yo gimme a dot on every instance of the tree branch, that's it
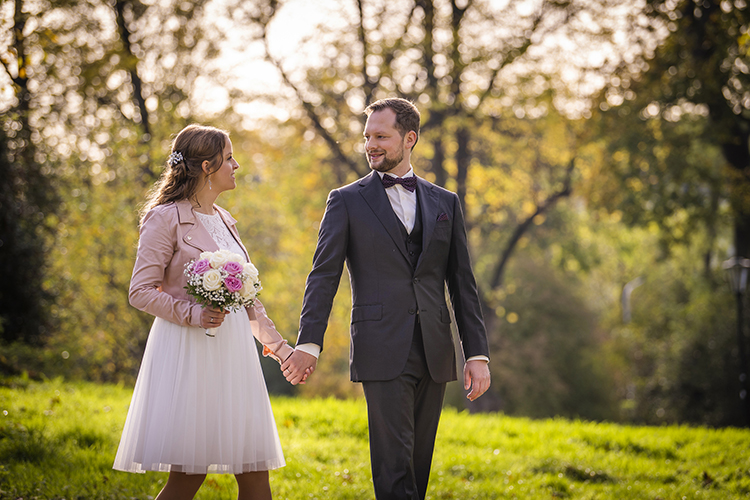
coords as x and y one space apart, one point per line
521 229
132 70
369 84
19 23
7 70
341 157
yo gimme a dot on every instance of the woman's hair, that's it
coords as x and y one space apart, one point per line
184 173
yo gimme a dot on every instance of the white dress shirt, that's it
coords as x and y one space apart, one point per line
403 201
404 204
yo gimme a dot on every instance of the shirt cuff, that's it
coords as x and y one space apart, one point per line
311 349
476 358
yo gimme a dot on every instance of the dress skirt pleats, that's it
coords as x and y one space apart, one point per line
200 404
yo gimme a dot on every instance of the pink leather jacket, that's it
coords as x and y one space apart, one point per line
171 236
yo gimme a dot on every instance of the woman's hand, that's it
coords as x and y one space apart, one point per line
308 371
212 317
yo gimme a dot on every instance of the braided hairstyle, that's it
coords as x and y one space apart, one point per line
184 175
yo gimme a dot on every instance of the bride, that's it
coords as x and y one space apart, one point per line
200 403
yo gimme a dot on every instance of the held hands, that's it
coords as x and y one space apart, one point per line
212 317
476 377
298 366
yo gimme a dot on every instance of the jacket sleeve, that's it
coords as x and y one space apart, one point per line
156 248
328 264
274 345
462 288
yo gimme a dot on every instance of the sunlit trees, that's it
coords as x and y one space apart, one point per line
564 205
28 202
704 62
92 92
677 130
500 86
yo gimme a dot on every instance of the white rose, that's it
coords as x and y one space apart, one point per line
251 271
217 259
212 280
235 257
248 292
205 255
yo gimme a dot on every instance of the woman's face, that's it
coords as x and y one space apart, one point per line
223 178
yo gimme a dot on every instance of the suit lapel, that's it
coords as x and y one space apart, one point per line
428 198
196 235
373 192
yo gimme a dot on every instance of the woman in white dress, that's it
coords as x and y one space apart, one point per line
200 403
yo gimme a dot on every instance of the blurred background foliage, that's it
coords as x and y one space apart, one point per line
600 151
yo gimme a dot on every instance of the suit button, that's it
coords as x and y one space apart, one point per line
416 280
411 310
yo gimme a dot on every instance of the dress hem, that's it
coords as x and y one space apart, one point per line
210 469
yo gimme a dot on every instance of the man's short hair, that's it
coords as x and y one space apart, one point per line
407 114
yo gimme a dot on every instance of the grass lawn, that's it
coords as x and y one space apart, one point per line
58 441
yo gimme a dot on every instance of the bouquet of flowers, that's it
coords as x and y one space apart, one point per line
223 280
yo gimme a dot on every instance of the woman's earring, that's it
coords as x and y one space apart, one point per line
209 185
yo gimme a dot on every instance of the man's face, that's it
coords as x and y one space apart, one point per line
384 145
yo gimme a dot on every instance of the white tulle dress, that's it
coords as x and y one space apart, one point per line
200 403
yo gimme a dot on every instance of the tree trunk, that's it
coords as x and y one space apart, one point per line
463 159
131 61
26 198
738 156
437 165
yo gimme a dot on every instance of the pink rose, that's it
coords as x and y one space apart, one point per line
233 268
200 266
233 284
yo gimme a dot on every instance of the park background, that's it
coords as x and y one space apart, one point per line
599 149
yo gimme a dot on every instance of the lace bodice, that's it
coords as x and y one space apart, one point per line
220 232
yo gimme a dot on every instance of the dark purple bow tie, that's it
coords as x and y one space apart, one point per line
409 183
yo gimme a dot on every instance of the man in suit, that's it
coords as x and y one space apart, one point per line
403 239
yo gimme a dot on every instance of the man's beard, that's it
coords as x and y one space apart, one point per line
387 164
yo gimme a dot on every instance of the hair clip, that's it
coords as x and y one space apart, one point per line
175 158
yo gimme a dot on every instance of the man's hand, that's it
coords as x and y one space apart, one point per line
298 366
476 377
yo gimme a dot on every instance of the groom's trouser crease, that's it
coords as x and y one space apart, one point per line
403 415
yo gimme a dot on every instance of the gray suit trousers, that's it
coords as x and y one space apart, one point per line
403 416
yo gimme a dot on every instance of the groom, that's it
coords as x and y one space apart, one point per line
403 239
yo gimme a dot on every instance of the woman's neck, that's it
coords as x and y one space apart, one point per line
205 201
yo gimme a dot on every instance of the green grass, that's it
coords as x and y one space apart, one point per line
58 441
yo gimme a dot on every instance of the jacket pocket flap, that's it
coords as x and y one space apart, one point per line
373 312
445 314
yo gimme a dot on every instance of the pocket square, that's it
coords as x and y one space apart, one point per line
443 216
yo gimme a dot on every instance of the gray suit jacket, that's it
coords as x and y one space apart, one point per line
360 228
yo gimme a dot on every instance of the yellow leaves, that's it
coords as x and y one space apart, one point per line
634 184
744 43
310 181
528 207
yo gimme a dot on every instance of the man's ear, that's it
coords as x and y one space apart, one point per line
410 140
